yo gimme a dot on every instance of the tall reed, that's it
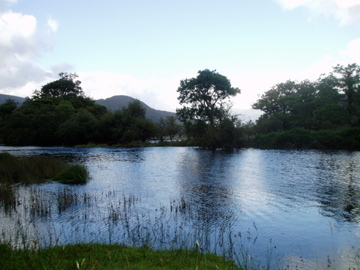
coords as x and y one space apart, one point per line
29 170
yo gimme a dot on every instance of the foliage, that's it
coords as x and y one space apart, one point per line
78 129
7 108
349 83
101 256
299 138
76 174
206 110
60 114
168 127
205 98
28 169
331 102
67 85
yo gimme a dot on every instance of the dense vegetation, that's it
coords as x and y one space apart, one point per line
60 114
36 169
321 114
206 111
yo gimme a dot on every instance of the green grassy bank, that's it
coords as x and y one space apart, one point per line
101 256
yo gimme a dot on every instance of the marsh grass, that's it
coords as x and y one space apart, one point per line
28 170
61 228
76 174
35 169
110 217
7 198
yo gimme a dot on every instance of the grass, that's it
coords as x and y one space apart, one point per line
31 170
101 256
76 174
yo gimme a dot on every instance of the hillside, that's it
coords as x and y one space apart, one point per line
119 102
3 98
112 104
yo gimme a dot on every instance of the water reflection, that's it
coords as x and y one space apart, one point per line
203 181
286 207
339 186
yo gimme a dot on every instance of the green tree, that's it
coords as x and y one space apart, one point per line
66 85
59 113
81 128
226 135
302 104
168 127
135 109
349 84
276 105
171 127
7 108
17 129
205 98
330 112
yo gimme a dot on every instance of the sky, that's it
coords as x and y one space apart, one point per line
143 49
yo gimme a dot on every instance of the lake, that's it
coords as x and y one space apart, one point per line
263 208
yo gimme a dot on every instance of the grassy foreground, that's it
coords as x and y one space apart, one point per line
101 256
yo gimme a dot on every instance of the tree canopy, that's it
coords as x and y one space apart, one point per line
332 101
329 106
206 109
60 114
66 85
206 97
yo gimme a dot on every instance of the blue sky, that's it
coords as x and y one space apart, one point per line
144 48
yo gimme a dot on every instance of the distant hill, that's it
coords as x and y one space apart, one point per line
119 102
3 98
113 103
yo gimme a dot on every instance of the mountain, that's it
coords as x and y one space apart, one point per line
112 104
3 98
121 101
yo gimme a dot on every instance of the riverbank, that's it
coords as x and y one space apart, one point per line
101 256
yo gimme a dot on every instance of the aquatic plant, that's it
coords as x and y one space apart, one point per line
7 197
29 170
76 174
110 217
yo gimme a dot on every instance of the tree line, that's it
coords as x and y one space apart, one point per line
60 114
321 114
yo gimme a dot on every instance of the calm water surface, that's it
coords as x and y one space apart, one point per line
263 208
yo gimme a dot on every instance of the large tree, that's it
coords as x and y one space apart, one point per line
206 97
66 85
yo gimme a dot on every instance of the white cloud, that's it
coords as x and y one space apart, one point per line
15 27
345 11
53 24
157 92
352 53
20 44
